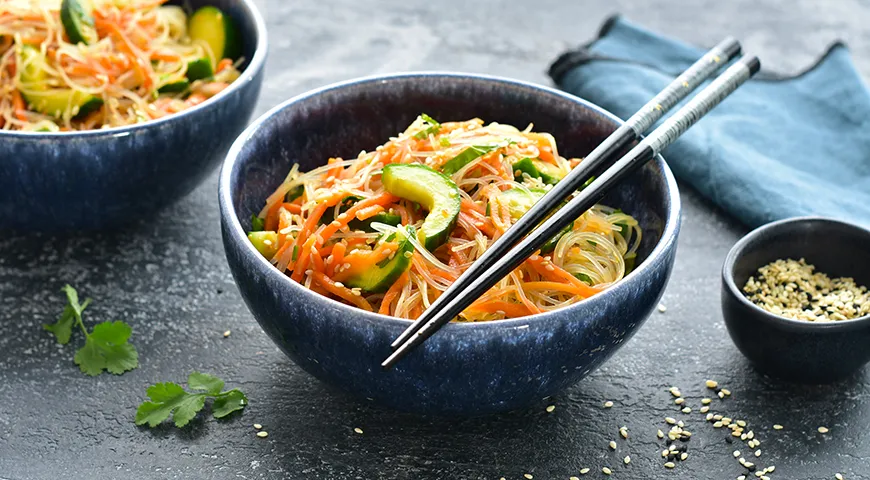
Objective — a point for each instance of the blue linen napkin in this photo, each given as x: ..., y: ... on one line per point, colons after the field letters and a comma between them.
x: 779, y: 147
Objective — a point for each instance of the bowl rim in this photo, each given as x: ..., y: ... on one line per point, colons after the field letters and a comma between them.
x: 235, y: 231
x: 736, y: 253
x: 256, y: 64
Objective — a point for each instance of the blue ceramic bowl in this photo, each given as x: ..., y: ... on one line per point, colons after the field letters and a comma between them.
x: 102, y: 178
x: 466, y: 368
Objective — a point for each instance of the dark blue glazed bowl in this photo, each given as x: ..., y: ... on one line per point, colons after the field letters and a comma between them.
x: 466, y: 368
x: 103, y: 178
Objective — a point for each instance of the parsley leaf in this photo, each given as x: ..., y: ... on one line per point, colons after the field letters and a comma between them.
x: 107, y: 347
x: 169, y: 399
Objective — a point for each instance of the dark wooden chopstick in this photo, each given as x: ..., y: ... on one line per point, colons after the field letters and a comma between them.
x: 607, y: 151
x: 645, y: 150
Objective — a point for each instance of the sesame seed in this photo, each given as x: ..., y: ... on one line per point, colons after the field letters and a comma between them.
x: 551, y: 408
x: 358, y: 430
x: 709, y: 417
x: 741, y: 423
x: 669, y: 465
x: 606, y: 471
x: 624, y: 432
x: 660, y: 434
x: 608, y: 404
x: 612, y: 445
x: 670, y: 420
x: 626, y: 460
x: 681, y: 424
x: 770, y: 469
x: 257, y: 426
x: 758, y: 453
x: 705, y: 409
x: 736, y: 453
x: 680, y: 401
x: 711, y: 384
x: 720, y: 395
x: 741, y: 477
x: 675, y: 391
x: 735, y: 433
x: 662, y: 308
x: 528, y: 475
x: 227, y: 334
x: 717, y: 417
x: 838, y: 476
x: 584, y: 471
x: 573, y: 478
x: 717, y: 425
x: 725, y: 392
x: 684, y: 456
x: 686, y: 410
x: 777, y: 427
x: 705, y: 401
x: 263, y: 434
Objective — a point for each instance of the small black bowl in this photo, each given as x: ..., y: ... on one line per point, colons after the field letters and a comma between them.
x: 798, y: 350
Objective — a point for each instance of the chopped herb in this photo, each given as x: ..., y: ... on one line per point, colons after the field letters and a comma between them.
x: 295, y: 252
x: 257, y: 223
x: 106, y: 346
x: 583, y: 278
x: 444, y: 141
x: 169, y: 399
x: 594, y: 244
x: 432, y: 127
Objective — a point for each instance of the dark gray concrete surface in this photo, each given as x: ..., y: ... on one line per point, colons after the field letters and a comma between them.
x: 167, y: 277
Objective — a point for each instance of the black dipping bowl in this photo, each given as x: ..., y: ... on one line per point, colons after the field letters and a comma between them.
x: 97, y: 179
x: 798, y: 350
x: 466, y: 368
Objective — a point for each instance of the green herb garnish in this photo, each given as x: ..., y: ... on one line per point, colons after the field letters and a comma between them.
x: 106, y: 347
x: 583, y: 278
x: 257, y: 223
x: 432, y: 127
x: 169, y: 399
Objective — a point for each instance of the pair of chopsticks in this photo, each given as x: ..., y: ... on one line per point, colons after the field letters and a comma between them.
x: 525, y: 237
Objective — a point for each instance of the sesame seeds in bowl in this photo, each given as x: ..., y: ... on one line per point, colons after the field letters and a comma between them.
x: 793, y: 298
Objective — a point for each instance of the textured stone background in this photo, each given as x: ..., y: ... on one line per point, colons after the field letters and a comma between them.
x: 167, y: 277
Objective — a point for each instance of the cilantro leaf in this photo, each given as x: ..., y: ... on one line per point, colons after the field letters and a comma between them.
x: 228, y: 403
x: 203, y: 381
x: 170, y: 400
x: 106, y: 348
x: 72, y: 313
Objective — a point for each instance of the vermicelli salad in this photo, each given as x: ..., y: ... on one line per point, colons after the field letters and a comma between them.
x: 86, y: 64
x: 391, y: 230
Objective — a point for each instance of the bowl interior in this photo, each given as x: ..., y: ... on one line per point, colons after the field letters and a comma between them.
x: 342, y: 120
x: 836, y: 248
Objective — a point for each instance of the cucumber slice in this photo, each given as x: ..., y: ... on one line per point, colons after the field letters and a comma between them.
x: 379, y: 278
x: 433, y: 191
x: 520, y: 201
x: 199, y: 69
x: 175, y: 87
x: 57, y: 102
x: 548, y: 173
x: 217, y: 30
x: 294, y: 193
x: 266, y: 242
x: 471, y: 153
x: 78, y: 22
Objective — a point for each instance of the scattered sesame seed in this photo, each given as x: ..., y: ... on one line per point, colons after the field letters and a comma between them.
x: 686, y: 410
x: 612, y: 445
x: 705, y: 401
x: 709, y: 417
x: 675, y: 391
x: 573, y: 478
x: 736, y: 453
x: 608, y: 404
x: 741, y: 477
x: 358, y: 430
x: 680, y: 401
x: 741, y: 423
x: 717, y: 425
x: 771, y: 468
x: 758, y: 453
x: 681, y: 424
x: 626, y: 460
x: 660, y: 434
x: 227, y: 334
x: 823, y: 429
x: 720, y: 395
x: 551, y: 408
x: 263, y: 434
x: 662, y: 308
x: 777, y: 427
x: 705, y: 409
x: 838, y: 476
x: 684, y: 456
x: 725, y: 392
x: 528, y: 475
x: 606, y: 471
x: 624, y: 432
x: 257, y: 426
x: 735, y: 433
x: 669, y: 465
x: 584, y: 471
x: 711, y: 384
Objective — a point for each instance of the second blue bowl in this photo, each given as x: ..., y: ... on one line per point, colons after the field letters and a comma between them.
x: 466, y: 368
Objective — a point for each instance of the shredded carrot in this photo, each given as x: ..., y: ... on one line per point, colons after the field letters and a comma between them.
x: 19, y: 106
x: 328, y: 230
x: 510, y: 310
x: 392, y: 293
x: 341, y: 291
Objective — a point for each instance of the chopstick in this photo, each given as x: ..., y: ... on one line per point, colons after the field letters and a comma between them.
x: 671, y: 129
x: 607, y: 151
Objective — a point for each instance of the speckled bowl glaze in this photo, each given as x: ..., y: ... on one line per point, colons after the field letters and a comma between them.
x: 466, y: 368
x: 103, y: 178
x: 798, y: 350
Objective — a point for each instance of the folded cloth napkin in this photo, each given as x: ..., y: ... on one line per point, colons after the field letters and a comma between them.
x: 779, y: 147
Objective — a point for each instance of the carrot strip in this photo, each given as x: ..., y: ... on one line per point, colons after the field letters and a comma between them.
x: 548, y: 269
x: 510, y: 310
x: 392, y: 293
x: 271, y: 222
x: 342, y: 292
x: 223, y: 65
x: 329, y: 229
x: 19, y: 106
x: 338, y: 251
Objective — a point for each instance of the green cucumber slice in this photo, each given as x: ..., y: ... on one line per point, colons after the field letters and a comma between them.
x: 433, y: 191
x: 175, y: 87
x: 265, y: 241
x: 78, y: 22
x: 380, y: 278
x: 519, y: 202
x: 217, y: 30
x: 548, y: 173
x: 468, y: 155
x: 199, y: 70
